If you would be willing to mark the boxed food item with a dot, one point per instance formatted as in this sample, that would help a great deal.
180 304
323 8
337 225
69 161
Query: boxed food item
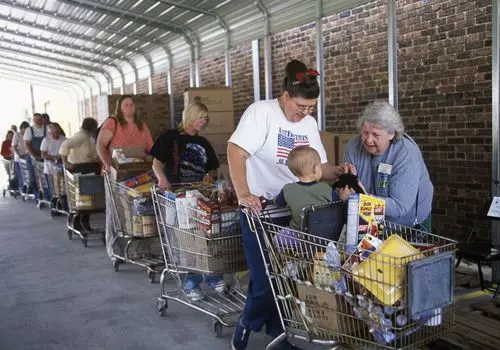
209 217
128 162
383 272
365 214
218 141
219 123
326 310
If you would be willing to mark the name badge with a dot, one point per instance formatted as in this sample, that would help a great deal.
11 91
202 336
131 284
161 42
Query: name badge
385 168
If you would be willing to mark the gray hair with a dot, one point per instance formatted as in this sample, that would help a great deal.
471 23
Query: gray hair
384 115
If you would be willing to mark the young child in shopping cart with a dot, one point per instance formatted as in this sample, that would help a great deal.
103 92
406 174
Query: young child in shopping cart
305 163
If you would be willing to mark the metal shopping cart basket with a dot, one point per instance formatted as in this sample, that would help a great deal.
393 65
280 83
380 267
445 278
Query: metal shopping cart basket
397 297
85 197
57 185
27 191
11 187
204 241
134 233
42 184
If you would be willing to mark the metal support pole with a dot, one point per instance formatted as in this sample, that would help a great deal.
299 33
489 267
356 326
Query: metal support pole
32 100
495 123
320 65
170 94
392 53
229 78
197 66
256 70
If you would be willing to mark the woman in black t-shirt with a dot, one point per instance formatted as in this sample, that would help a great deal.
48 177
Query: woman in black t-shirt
181 155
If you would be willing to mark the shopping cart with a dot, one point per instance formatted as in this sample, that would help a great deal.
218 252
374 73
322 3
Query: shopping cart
133 228
28 181
85 197
397 297
11 187
57 187
204 242
42 184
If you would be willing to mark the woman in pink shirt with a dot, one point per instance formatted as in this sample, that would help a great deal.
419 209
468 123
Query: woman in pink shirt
123 129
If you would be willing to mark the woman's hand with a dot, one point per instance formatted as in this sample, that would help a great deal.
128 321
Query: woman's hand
346 168
106 168
163 184
250 201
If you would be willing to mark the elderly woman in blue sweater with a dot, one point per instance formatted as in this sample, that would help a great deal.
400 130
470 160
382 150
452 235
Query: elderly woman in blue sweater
390 165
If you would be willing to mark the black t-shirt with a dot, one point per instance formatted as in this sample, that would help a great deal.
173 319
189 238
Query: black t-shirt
186 158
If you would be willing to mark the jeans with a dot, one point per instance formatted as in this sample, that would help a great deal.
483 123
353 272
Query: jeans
32 175
260 307
47 190
194 280
19 173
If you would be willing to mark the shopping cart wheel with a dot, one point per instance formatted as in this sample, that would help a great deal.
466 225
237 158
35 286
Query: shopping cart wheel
52 213
84 241
151 276
40 205
23 198
162 306
217 327
116 264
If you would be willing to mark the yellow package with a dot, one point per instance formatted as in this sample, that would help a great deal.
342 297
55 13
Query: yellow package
383 272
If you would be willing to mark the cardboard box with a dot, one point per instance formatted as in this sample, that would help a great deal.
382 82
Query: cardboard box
220 123
217 99
218 142
365 214
335 146
327 311
124 171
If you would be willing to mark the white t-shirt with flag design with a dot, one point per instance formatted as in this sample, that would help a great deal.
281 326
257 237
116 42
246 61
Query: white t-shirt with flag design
268 136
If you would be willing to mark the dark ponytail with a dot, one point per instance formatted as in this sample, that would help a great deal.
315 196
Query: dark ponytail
307 87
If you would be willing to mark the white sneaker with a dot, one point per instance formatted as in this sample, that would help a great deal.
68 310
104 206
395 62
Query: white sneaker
195 294
220 286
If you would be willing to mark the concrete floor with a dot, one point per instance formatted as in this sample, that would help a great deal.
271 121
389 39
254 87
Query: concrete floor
56 294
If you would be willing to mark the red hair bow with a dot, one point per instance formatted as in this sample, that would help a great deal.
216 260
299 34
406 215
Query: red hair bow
301 76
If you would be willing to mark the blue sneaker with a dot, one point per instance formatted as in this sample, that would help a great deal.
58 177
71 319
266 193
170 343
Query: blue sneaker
240 336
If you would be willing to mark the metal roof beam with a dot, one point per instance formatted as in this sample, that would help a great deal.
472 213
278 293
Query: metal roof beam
46 66
44 83
57 52
28 72
130 16
191 8
66 63
80 22
58 42
52 71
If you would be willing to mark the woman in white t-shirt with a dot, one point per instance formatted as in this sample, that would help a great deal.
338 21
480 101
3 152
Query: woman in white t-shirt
257 155
50 154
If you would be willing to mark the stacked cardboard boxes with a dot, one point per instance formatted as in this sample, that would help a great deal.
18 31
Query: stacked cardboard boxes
153 109
335 146
219 101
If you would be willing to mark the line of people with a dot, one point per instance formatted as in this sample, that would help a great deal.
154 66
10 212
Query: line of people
387 160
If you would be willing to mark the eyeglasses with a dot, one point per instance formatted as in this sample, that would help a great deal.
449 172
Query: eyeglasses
304 108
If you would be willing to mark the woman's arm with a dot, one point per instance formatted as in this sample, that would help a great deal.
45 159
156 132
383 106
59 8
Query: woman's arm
103 141
163 183
237 157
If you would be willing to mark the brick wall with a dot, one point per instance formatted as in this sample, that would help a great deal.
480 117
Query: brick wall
444 86
160 83
128 89
142 86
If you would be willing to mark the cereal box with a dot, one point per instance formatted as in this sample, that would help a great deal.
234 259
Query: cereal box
365 214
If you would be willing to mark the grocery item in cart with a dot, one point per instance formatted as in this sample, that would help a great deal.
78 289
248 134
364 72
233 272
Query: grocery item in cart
383 272
365 214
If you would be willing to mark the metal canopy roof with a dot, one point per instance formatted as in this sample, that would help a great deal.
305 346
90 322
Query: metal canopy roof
101 44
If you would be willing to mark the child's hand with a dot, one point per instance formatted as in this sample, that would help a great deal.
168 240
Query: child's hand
345 192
